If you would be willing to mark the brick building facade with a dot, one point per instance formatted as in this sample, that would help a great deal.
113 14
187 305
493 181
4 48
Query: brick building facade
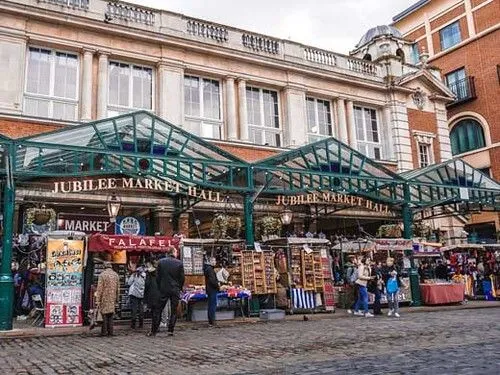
461 37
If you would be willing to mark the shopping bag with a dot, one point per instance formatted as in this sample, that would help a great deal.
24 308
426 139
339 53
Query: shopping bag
95 317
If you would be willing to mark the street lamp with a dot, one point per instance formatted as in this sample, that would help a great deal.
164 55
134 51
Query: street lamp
286 216
114 205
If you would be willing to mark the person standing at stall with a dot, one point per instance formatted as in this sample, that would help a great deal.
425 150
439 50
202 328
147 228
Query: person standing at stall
170 279
211 287
136 283
107 293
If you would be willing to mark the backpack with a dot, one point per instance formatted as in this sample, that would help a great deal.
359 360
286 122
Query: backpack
352 275
392 285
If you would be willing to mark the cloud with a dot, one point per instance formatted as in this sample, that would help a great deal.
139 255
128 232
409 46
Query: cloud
330 24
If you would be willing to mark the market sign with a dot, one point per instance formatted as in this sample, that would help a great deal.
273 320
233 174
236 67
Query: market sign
330 198
112 243
112 183
85 223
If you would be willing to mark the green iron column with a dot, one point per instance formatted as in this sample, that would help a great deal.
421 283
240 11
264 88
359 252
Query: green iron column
408 234
248 212
6 281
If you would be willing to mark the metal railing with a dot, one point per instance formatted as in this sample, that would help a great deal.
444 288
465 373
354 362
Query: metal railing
464 90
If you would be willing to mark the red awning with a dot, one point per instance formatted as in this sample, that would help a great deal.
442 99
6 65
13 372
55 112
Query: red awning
111 243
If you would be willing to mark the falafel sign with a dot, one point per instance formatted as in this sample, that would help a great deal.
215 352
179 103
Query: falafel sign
102 242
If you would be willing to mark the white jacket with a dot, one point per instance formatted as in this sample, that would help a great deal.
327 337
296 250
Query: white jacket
137 284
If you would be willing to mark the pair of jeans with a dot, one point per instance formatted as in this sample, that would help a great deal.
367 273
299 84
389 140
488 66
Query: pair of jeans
355 296
157 310
362 301
107 325
165 314
137 308
376 303
393 299
212 306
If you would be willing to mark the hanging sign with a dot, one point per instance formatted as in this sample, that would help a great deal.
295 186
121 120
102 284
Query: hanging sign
63 301
88 224
103 242
130 225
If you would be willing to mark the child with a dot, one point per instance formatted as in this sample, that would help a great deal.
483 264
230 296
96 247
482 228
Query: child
393 294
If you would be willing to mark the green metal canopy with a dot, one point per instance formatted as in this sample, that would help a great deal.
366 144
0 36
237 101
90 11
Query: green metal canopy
138 143
328 165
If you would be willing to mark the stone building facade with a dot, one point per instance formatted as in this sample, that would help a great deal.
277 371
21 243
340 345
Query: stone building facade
461 38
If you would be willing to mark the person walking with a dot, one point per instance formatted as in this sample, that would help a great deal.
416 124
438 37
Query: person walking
393 285
170 279
152 297
362 281
136 283
211 288
108 289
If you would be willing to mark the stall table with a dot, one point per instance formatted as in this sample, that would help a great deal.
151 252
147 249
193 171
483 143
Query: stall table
440 293
238 298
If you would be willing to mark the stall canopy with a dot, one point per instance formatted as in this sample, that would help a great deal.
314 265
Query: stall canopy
112 243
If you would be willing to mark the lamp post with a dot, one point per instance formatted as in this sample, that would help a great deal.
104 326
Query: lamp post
114 205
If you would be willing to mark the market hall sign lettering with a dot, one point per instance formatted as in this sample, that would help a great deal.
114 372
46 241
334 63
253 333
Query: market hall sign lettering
85 223
135 183
330 198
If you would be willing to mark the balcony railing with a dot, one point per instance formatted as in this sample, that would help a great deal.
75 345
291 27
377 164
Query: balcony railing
464 90
128 12
207 30
79 4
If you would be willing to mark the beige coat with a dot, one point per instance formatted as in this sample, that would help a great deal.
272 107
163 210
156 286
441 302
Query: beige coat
363 275
108 288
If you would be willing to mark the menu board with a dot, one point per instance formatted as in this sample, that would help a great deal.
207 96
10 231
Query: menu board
64 279
123 310
192 259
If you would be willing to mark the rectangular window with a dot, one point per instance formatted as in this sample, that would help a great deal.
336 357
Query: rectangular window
424 155
457 82
130 88
263 116
450 35
367 132
415 54
319 119
202 103
51 84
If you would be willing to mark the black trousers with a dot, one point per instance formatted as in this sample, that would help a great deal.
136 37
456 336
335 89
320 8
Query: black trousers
156 312
137 308
107 325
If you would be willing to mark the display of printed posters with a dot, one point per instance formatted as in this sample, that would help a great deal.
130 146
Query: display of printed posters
64 279
130 225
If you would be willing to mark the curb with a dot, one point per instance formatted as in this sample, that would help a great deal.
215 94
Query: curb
340 313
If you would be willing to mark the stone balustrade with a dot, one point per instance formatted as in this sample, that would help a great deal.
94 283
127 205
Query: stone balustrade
362 66
261 43
319 56
207 30
127 12
79 4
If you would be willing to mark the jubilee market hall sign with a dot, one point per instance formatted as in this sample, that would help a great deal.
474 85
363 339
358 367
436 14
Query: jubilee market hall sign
112 183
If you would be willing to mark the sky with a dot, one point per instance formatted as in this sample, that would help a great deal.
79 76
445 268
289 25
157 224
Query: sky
335 25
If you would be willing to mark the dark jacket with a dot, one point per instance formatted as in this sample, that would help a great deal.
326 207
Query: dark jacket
170 277
441 272
211 282
152 295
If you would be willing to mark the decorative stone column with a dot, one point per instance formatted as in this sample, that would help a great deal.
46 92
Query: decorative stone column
401 133
351 125
231 122
102 85
171 92
443 132
242 101
86 112
341 114
295 124
387 132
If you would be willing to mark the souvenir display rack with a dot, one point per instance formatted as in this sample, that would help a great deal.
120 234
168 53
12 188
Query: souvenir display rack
256 271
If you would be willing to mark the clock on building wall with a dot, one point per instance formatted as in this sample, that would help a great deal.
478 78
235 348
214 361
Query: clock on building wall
419 99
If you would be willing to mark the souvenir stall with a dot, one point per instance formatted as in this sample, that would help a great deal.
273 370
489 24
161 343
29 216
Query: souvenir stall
123 251
233 297
477 266
304 268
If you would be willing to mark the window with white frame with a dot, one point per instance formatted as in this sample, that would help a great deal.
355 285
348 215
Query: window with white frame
51 84
202 105
263 116
130 88
424 155
319 119
424 142
367 132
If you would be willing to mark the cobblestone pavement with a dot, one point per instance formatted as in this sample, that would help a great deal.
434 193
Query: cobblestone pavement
446 342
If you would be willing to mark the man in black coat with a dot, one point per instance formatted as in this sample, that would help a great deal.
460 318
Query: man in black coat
170 280
211 287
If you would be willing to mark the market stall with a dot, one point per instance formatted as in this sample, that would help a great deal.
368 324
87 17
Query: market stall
442 293
304 268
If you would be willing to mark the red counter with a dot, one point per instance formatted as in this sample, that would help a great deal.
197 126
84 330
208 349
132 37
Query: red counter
437 294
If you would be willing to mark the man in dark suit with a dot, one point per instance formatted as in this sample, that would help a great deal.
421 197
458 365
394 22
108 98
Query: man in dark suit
170 280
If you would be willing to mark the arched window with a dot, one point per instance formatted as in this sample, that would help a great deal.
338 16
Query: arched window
400 53
466 135
367 57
